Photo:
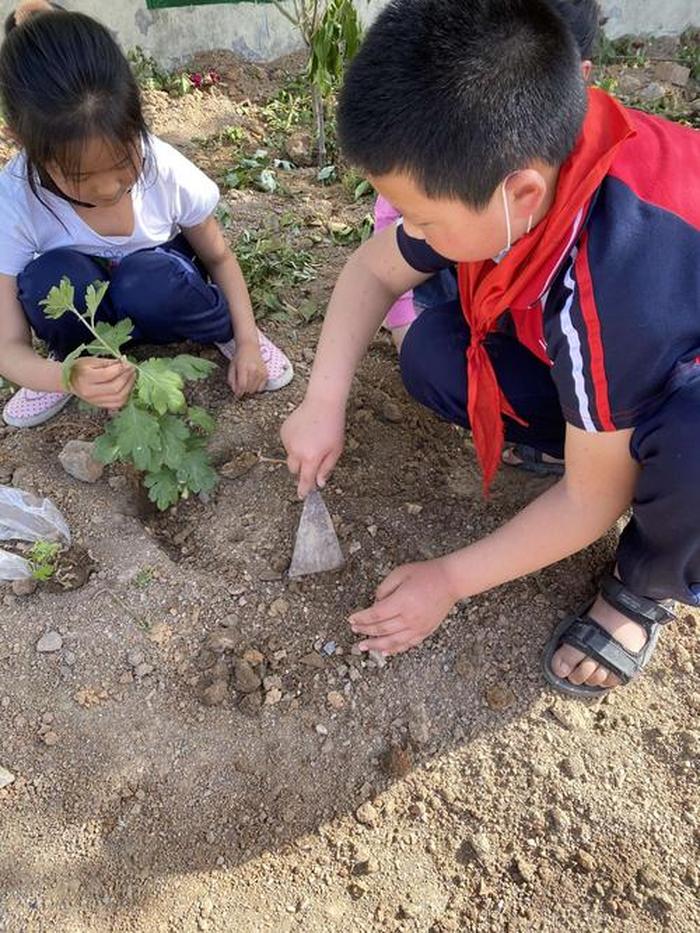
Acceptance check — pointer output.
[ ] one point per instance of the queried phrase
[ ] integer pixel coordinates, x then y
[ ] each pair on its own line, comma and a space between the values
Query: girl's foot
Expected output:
27, 408
280, 371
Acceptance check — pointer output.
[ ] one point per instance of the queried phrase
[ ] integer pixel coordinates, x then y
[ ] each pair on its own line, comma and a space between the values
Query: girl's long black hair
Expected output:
63, 81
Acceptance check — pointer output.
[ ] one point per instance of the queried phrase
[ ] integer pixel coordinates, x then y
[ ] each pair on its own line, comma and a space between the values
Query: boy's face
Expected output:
453, 229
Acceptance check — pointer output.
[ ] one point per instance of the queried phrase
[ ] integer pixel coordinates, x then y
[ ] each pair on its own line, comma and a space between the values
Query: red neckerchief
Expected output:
487, 290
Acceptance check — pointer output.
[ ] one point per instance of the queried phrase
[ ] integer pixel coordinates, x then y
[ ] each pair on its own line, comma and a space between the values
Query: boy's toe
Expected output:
598, 677
583, 671
565, 660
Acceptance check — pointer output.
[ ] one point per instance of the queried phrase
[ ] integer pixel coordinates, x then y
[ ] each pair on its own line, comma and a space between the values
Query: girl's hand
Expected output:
410, 604
313, 436
101, 382
247, 372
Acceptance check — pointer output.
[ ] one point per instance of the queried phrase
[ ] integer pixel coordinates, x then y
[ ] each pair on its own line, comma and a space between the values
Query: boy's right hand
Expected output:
102, 382
313, 436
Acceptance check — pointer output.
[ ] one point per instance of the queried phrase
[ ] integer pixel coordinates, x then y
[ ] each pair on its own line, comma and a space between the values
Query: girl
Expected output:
93, 195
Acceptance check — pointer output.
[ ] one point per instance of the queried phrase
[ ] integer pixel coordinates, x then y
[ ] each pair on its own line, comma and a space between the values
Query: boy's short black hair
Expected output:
584, 19
458, 94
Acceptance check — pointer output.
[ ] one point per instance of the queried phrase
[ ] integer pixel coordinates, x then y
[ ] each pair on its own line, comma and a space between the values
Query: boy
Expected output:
574, 224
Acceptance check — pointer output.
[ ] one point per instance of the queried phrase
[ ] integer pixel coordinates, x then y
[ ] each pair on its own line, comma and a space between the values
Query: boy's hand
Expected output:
247, 372
313, 436
102, 382
410, 604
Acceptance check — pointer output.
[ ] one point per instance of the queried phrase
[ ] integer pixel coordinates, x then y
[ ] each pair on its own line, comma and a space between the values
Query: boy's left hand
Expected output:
247, 372
410, 604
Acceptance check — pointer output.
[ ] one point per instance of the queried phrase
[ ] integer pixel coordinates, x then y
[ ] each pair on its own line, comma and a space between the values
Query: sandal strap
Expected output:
646, 612
595, 642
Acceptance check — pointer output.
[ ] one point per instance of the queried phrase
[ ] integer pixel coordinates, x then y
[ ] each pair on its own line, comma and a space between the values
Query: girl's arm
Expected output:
105, 383
247, 373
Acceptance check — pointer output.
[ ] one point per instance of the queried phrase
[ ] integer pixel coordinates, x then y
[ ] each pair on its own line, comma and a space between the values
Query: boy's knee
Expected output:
668, 440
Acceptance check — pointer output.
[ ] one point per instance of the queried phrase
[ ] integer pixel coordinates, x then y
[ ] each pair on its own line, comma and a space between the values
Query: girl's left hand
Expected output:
410, 604
247, 372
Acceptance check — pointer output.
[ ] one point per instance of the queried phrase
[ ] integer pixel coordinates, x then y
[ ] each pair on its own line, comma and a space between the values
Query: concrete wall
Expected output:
259, 31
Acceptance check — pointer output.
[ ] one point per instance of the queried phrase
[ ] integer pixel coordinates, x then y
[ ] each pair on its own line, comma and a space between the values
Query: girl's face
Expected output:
104, 175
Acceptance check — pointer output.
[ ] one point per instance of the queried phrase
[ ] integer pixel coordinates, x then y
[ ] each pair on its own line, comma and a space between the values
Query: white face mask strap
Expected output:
529, 224
509, 228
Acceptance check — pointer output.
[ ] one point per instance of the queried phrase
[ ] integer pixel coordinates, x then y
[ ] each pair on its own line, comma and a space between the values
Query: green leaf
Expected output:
364, 188
60, 299
232, 179
201, 419
114, 335
266, 181
159, 386
192, 367
163, 488
196, 472
94, 295
106, 447
137, 436
68, 364
173, 434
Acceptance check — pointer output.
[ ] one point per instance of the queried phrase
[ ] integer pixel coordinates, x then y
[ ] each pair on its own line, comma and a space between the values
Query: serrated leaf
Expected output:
266, 181
137, 435
113, 335
60, 299
173, 434
201, 419
68, 364
163, 488
106, 448
159, 386
196, 472
192, 367
93, 296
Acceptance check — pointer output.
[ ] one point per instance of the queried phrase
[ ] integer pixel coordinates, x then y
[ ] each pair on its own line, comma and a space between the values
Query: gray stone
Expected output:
49, 642
652, 92
672, 73
245, 680
6, 777
24, 587
78, 461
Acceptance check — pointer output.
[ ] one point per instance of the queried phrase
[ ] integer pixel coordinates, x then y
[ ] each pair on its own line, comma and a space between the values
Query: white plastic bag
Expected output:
25, 517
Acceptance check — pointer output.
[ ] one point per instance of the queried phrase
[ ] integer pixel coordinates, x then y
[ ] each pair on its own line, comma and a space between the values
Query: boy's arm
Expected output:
247, 373
373, 278
597, 488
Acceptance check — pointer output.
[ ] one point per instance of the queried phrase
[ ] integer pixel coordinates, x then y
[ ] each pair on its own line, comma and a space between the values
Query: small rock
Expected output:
391, 412
368, 866
570, 715
299, 147
499, 697
24, 587
251, 702
135, 657
219, 642
672, 73
49, 641
480, 845
573, 766
143, 670
245, 680
215, 694
525, 869
378, 658
419, 725
629, 84
321, 729
253, 657
414, 508
648, 876
652, 92
273, 696
329, 648
586, 860
336, 700
397, 762
312, 659
78, 461
229, 622
559, 820
49, 738
6, 777
279, 607
206, 907
367, 814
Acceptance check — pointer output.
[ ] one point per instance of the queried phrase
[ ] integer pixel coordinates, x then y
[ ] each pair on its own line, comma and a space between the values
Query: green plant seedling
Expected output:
156, 431
42, 557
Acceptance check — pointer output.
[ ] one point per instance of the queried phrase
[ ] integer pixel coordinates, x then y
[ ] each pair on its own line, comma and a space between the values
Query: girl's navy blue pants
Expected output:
164, 291
659, 551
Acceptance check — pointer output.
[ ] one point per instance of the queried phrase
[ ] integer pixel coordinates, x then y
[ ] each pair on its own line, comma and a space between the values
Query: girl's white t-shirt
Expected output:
172, 193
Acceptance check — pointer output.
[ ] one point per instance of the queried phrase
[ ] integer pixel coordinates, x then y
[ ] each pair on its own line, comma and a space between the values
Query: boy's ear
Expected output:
586, 69
528, 190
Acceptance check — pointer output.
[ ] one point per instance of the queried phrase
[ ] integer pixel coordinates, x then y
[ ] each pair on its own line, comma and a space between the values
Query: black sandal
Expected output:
533, 461
585, 634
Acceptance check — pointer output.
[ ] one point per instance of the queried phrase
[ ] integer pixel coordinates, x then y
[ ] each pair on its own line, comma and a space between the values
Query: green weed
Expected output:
272, 267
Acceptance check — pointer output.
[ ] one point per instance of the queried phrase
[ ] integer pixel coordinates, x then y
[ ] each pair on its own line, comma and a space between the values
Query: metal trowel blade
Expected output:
316, 548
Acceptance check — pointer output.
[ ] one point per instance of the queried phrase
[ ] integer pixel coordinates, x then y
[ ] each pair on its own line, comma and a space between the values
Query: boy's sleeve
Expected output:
194, 194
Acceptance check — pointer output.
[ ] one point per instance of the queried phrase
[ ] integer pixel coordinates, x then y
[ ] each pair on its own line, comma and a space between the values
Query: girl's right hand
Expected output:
102, 382
313, 436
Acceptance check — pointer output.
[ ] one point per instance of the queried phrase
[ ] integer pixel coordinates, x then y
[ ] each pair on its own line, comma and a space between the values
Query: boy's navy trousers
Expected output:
658, 554
164, 291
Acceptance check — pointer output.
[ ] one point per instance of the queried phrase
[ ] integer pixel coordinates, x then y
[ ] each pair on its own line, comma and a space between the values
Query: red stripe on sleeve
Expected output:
595, 343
